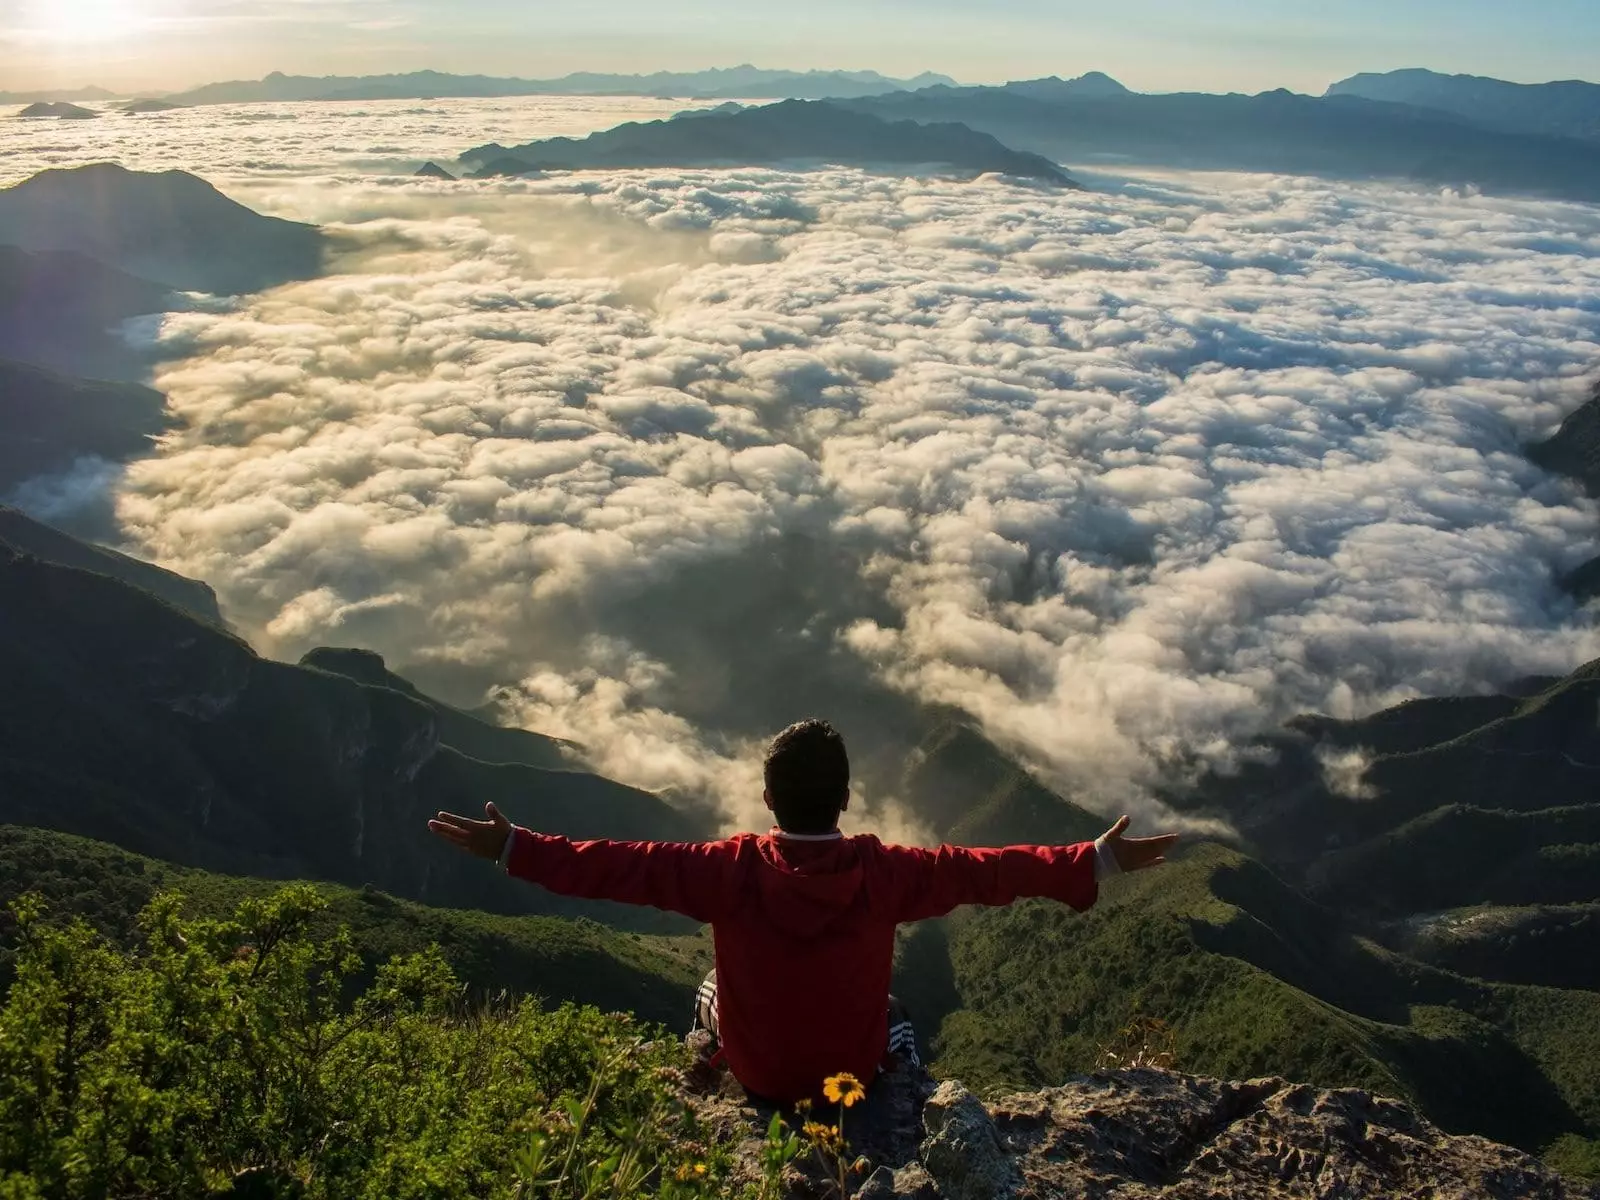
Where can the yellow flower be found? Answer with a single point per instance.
(843, 1088)
(817, 1132)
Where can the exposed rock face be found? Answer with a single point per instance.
(1144, 1134)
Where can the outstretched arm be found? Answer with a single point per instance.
(692, 878)
(929, 883)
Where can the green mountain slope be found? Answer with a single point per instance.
(1253, 979)
(556, 960)
(124, 719)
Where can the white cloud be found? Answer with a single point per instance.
(671, 456)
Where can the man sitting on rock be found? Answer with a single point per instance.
(803, 917)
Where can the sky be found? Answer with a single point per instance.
(1152, 45)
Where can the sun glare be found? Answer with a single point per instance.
(86, 20)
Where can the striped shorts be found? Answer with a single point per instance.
(902, 1035)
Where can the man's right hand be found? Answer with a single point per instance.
(486, 839)
(1135, 854)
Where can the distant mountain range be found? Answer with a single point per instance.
(47, 97)
(1568, 108)
(1339, 136)
(770, 135)
(741, 82)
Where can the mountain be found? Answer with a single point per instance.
(1096, 85)
(1340, 136)
(127, 720)
(32, 537)
(1575, 450)
(58, 309)
(557, 960)
(1568, 108)
(463, 731)
(777, 133)
(1411, 909)
(434, 171)
(743, 82)
(172, 228)
(149, 106)
(59, 110)
(48, 421)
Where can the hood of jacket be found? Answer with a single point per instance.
(804, 887)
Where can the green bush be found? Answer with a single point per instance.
(241, 1057)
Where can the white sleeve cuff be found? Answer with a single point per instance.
(505, 851)
(1105, 860)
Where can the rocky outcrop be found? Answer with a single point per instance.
(1144, 1134)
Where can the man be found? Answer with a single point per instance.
(803, 918)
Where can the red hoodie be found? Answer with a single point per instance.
(804, 929)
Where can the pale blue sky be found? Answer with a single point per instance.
(1154, 45)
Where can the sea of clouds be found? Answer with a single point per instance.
(662, 459)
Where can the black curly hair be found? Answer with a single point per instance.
(808, 777)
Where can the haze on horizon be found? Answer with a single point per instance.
(1152, 45)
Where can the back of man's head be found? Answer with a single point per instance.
(808, 777)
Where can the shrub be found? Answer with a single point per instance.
(241, 1057)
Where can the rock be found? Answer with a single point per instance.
(1158, 1135)
(963, 1152)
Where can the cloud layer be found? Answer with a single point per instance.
(661, 460)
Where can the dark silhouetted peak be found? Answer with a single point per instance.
(776, 134)
(172, 227)
(434, 171)
(150, 106)
(1096, 85)
(60, 110)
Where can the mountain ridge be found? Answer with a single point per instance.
(1561, 108)
(741, 82)
(1279, 131)
(772, 134)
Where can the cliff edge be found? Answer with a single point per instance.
(1145, 1133)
